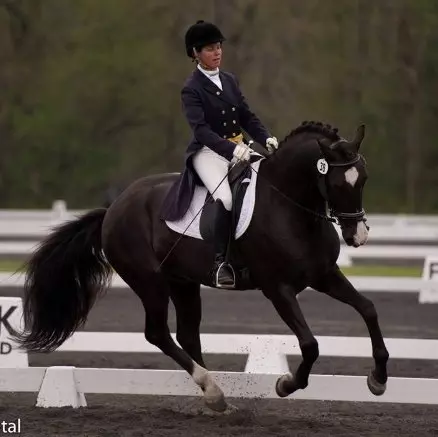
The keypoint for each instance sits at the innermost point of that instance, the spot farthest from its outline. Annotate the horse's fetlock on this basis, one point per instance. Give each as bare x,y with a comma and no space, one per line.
381,355
310,350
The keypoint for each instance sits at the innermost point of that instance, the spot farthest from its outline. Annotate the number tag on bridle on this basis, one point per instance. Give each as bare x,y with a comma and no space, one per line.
322,166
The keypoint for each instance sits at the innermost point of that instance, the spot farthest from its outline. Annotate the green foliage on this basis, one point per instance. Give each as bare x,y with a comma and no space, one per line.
90,90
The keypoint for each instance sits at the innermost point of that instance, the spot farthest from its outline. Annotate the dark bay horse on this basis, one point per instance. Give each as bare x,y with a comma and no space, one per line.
289,245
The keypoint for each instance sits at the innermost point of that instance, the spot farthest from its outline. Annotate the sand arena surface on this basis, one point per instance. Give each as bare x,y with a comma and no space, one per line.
400,315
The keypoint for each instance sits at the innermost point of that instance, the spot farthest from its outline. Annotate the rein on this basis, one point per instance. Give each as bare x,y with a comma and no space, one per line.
310,211
196,215
333,218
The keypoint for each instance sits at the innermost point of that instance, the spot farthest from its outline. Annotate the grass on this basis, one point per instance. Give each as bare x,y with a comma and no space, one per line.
10,265
382,270
371,270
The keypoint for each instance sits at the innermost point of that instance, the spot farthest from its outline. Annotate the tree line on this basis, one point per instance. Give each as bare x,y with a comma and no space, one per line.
90,90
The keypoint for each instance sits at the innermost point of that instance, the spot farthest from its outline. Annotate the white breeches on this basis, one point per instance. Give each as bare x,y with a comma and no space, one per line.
211,169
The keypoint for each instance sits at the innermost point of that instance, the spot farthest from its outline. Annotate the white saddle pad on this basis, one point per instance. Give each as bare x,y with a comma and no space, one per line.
198,200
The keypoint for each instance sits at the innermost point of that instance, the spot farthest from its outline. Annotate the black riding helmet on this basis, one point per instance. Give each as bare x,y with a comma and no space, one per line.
200,34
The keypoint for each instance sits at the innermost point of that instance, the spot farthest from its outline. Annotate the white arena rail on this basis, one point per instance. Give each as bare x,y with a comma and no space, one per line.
346,258
398,229
427,289
260,348
17,248
25,379
362,283
348,255
66,386
60,210
403,220
36,230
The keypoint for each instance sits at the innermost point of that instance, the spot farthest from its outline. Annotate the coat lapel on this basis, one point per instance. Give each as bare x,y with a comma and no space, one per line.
228,89
226,94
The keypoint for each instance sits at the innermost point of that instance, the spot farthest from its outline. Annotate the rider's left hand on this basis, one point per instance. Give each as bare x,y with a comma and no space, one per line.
271,144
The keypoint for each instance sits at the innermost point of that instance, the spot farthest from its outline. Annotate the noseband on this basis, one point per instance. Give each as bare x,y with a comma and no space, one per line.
357,216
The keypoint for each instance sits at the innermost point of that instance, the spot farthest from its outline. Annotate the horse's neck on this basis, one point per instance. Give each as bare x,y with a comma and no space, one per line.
291,171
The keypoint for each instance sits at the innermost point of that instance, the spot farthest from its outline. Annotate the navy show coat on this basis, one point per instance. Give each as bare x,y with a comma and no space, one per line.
214,115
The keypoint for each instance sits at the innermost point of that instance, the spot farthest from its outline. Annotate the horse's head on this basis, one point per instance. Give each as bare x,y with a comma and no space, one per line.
344,176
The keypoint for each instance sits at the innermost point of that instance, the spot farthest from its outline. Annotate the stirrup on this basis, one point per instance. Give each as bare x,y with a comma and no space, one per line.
229,266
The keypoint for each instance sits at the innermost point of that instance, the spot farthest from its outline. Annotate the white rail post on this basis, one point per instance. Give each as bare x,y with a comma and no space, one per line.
59,389
265,356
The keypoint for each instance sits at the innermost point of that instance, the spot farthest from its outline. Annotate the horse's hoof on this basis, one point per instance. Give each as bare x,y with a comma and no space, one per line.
206,411
281,392
217,404
231,409
376,388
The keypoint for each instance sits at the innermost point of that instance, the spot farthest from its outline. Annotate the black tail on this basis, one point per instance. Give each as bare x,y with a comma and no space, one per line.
63,278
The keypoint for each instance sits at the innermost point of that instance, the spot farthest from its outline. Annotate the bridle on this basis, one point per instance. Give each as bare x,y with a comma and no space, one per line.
357,216
334,215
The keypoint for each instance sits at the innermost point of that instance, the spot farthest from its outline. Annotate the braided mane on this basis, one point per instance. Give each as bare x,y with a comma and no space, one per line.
316,126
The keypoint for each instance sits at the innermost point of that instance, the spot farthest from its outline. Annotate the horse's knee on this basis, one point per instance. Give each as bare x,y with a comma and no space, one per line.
158,338
310,350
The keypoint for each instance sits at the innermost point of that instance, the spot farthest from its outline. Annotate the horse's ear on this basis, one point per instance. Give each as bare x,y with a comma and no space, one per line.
360,134
326,146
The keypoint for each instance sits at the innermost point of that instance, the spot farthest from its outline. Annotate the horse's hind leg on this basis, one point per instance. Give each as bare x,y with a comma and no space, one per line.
127,246
336,285
153,291
186,297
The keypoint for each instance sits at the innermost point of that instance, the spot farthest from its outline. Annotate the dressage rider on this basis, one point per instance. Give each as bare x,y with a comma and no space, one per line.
216,111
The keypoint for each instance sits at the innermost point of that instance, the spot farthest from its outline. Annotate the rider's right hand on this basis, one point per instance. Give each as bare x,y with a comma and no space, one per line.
242,152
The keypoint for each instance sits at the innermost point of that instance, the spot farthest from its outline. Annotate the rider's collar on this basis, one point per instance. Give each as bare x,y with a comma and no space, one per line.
210,73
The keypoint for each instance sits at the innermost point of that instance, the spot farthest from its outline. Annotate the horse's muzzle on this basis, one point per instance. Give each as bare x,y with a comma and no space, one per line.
355,233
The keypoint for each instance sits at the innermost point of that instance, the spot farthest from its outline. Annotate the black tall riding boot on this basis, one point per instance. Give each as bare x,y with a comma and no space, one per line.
223,273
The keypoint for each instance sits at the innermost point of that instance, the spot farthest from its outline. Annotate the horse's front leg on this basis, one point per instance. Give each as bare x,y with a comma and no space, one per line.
285,302
336,285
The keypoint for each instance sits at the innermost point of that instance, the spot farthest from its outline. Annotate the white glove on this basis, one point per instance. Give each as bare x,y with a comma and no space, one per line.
242,152
271,144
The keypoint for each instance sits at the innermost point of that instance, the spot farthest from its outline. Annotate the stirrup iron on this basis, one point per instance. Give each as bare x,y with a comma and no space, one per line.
230,267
